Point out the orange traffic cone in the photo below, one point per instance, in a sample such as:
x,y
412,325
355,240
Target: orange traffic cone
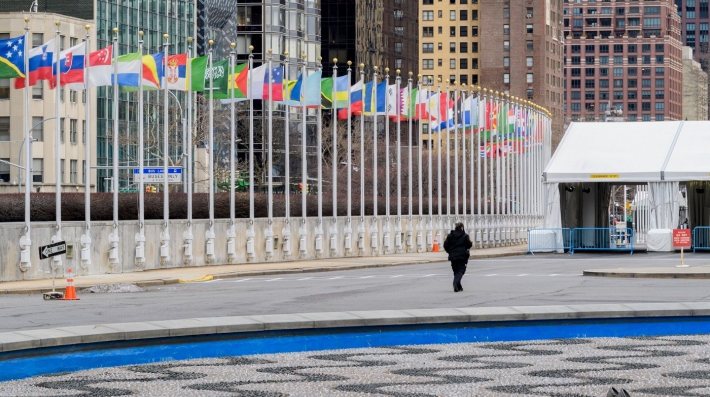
x,y
70,293
435,247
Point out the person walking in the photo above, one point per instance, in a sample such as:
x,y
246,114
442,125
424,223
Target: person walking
x,y
457,244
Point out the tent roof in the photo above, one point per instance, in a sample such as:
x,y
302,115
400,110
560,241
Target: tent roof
x,y
632,152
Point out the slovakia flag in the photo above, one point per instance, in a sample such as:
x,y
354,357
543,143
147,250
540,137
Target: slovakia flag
x,y
100,69
71,66
40,65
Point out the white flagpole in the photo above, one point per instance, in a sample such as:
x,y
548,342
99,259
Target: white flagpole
x,y
361,227
250,231
140,236
388,105
410,226
462,113
420,227
457,96
26,239
373,227
348,224
430,224
187,235
487,112
86,238
287,161
231,232
481,128
473,156
492,160
269,233
209,234
398,223
165,235
319,159
441,231
57,260
334,120
448,161
302,232
503,160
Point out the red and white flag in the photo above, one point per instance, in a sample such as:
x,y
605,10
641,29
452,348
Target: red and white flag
x,y
71,66
100,69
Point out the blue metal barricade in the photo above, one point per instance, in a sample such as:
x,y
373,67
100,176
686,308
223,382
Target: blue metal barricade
x,y
549,240
603,239
701,238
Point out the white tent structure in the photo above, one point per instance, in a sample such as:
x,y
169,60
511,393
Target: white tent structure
x,y
593,156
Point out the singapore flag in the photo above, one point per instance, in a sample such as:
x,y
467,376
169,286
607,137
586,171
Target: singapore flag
x,y
100,70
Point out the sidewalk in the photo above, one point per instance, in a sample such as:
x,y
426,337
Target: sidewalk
x,y
193,274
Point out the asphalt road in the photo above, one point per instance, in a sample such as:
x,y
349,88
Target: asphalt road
x,y
514,281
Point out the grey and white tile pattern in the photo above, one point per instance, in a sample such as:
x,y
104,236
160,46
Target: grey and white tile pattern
x,y
658,366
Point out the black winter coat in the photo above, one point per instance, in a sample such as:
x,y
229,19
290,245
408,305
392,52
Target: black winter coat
x,y
457,244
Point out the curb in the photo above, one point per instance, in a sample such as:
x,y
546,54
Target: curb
x,y
87,334
252,273
612,274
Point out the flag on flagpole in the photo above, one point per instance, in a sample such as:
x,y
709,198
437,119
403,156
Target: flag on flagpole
x,y
129,68
152,71
341,91
71,67
237,80
12,58
326,93
197,72
276,76
40,64
392,110
310,94
368,98
355,102
256,91
380,95
176,72
100,68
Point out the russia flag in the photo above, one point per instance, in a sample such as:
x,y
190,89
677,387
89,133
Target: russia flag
x,y
40,65
71,66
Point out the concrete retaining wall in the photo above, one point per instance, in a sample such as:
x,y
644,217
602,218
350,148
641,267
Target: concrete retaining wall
x,y
490,231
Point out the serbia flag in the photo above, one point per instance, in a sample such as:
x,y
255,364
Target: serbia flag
x,y
40,65
71,66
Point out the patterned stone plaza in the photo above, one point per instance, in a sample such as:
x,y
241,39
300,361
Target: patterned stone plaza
x,y
653,366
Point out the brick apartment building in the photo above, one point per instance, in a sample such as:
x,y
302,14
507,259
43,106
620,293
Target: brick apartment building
x,y
694,21
510,46
624,53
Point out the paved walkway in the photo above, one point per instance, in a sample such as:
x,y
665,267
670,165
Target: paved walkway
x,y
194,274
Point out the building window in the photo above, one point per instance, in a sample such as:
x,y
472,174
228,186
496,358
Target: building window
x,y
428,2
463,78
660,83
506,78
452,15
529,45
589,83
576,107
38,170
463,15
4,129
463,31
506,45
632,95
660,94
452,64
603,83
474,63
428,16
646,59
589,60
83,129
631,83
474,15
506,13
631,107
659,47
646,106
529,93
646,117
529,62
652,22
61,171
440,46
428,47
506,62
589,72
474,47
660,106
61,129
463,64
452,31
576,83
618,72
618,60
631,71
529,78
604,95
618,95
72,171
603,71
452,47
603,60
529,12
72,131
397,47
428,31
72,96
37,39
659,59
398,63
589,95
452,79
529,28
463,48
4,171
474,31
631,60
38,131
646,83
439,62
38,90
576,95
83,171
428,64
4,88
506,29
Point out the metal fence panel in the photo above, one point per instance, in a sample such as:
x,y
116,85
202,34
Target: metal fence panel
x,y
701,238
548,240
603,239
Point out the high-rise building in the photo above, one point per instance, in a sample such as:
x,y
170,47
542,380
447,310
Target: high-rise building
x,y
695,88
625,54
449,37
42,108
155,18
522,53
694,21
376,33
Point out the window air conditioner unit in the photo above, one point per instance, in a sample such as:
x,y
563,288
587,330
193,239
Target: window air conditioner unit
x,y
529,15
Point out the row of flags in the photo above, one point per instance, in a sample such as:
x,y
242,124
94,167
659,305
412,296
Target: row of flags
x,y
182,73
